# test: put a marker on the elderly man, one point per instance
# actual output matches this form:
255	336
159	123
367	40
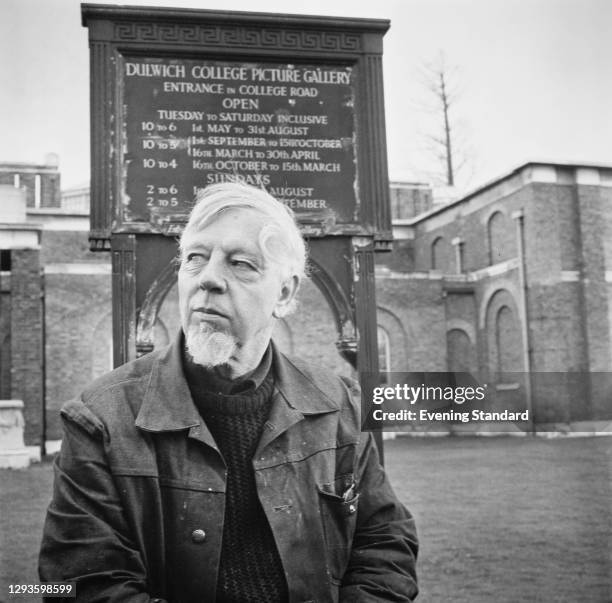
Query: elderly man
219	469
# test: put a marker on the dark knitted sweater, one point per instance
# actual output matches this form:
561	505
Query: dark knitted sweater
250	568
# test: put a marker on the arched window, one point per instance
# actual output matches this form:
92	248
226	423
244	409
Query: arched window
441	255
460	352
504	337
501	238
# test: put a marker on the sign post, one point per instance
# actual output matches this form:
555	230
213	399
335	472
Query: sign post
184	98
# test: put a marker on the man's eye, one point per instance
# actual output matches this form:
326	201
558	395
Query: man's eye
194	259
243	265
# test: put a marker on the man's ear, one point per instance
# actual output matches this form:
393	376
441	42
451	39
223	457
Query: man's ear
286	296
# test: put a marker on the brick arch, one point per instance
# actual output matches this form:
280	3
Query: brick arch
462	325
486	215
503	335
336	298
162	287
460	352
502	284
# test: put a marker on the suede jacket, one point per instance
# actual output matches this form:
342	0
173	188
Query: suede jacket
139	493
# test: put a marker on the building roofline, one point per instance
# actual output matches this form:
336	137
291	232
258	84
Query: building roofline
492	183
76	189
21	226
59	212
6	166
398	182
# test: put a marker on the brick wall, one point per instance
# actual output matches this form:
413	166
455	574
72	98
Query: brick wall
593	232
418	305
401	259
5	336
409	200
26	340
50	184
68	246
50	190
462	328
310	332
79	335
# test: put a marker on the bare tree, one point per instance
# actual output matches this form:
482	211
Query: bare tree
441	84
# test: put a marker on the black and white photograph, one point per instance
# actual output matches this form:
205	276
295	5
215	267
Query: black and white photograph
306	302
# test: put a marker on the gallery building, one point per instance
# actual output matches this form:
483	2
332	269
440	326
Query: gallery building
511	283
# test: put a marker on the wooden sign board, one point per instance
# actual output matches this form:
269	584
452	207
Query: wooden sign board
187	123
182	99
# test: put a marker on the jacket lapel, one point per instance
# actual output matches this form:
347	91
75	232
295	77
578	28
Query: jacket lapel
295	396
167	404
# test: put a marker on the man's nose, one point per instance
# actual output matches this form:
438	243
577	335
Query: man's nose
212	276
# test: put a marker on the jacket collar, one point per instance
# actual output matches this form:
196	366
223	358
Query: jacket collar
167	403
168	406
298	388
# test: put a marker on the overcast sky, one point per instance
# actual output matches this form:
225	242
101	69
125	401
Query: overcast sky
534	75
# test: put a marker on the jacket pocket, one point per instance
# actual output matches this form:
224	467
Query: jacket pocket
339	504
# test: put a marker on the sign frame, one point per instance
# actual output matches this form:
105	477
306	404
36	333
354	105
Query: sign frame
118	32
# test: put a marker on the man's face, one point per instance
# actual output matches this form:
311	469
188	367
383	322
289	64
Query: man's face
226	288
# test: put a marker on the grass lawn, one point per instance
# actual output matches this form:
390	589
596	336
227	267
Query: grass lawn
24	496
500	519
509	519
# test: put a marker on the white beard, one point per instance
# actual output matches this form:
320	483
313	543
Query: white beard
209	347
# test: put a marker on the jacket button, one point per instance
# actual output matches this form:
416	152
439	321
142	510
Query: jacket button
198	536
352	509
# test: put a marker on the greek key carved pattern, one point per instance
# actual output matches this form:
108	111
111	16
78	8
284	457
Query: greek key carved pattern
237	36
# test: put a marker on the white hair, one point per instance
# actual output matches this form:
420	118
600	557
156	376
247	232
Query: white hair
280	240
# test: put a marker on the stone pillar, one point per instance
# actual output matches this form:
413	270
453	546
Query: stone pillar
13	453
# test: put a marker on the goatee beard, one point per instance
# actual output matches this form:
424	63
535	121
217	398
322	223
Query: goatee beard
209	347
